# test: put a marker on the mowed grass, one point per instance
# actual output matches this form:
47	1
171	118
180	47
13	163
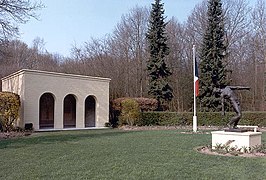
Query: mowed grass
117	154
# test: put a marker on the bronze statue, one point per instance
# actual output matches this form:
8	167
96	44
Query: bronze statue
227	93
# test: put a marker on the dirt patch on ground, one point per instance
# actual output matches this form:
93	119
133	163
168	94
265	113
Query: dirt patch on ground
13	134
209	151
187	129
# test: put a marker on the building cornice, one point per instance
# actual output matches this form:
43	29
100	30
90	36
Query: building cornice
55	74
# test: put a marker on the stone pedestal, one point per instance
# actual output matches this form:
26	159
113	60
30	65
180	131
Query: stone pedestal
236	139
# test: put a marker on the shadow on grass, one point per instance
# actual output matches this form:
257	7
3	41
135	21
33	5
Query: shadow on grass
62	136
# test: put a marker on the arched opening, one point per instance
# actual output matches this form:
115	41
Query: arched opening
90	106
69	111
46	111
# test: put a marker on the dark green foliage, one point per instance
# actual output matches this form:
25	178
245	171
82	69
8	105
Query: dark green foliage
9	110
159	118
158	49
130	112
204	119
254	119
213	72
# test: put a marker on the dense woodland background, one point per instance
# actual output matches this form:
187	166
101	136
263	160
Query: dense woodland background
122	54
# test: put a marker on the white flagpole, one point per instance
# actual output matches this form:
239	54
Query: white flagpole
195	103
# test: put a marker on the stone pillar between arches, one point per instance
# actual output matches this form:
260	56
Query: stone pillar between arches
58	113
80	114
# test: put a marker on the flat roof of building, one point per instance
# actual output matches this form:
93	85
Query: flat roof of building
55	74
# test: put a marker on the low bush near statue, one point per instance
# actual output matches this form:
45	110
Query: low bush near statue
9	110
130	112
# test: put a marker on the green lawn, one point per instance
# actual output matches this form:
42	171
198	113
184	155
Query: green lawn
116	154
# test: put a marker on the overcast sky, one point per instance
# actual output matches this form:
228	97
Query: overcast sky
66	22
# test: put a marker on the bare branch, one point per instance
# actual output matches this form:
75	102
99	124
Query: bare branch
14	12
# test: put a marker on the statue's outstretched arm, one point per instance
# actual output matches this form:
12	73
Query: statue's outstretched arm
239	87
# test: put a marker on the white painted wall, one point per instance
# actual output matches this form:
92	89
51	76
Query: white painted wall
31	84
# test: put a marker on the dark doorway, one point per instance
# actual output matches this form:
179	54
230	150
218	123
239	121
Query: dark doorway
69	111
46	111
90	105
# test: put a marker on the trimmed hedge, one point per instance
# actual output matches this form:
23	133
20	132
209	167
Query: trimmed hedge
204	119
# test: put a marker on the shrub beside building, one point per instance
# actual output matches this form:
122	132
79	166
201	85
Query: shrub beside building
9	110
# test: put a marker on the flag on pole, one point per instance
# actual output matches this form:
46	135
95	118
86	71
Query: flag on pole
196	79
196	88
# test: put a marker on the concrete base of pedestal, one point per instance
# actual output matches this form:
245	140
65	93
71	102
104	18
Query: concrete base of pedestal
236	139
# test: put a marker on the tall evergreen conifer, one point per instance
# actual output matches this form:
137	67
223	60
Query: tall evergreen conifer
158	71
213	72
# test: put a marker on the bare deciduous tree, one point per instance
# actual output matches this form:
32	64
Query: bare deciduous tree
122	54
15	12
